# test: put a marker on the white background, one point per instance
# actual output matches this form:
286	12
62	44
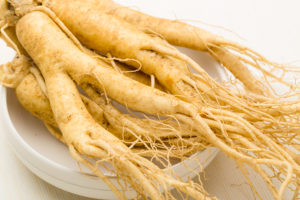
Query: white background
271	27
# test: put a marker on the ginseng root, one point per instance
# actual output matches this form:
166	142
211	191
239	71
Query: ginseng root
31	93
81	133
84	69
203	104
199	39
153	54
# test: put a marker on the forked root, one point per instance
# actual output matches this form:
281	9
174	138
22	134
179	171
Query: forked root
238	59
168	138
94	141
84	134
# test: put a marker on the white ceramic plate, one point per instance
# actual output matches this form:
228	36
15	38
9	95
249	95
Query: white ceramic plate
49	159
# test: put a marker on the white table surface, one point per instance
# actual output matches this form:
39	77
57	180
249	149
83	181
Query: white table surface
271	27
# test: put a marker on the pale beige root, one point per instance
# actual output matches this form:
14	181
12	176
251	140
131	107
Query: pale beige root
196	38
183	85
141	126
7	15
33	100
102	78
12	73
127	70
209	135
233	63
21	7
191	38
36	102
114	41
126	102
8	34
151	52
154	55
164	136
281	191
275	106
199	39
157	154
79	129
187	147
94	32
31	92
237	62
7	26
90	71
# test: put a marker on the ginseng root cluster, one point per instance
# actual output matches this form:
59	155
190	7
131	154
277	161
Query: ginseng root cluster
118	55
